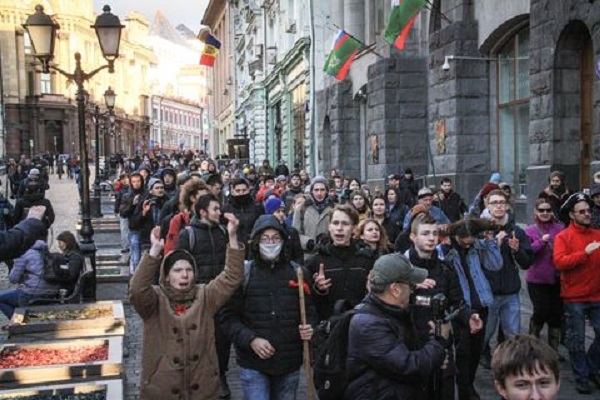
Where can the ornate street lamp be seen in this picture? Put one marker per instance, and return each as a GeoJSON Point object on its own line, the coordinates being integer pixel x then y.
{"type": "Point", "coordinates": [109, 101]}
{"type": "Point", "coordinates": [42, 33]}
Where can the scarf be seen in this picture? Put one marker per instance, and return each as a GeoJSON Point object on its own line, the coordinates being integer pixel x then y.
{"type": "Point", "coordinates": [180, 300]}
{"type": "Point", "coordinates": [320, 206]}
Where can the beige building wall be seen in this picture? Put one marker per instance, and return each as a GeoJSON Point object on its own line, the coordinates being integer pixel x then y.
{"type": "Point", "coordinates": [21, 79]}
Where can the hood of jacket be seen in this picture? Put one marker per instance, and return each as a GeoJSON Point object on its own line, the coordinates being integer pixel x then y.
{"type": "Point", "coordinates": [263, 223]}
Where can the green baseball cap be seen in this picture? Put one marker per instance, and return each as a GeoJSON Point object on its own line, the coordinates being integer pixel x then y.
{"type": "Point", "coordinates": [395, 267]}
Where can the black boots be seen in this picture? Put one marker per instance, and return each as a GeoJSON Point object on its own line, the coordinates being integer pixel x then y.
{"type": "Point", "coordinates": [224, 393]}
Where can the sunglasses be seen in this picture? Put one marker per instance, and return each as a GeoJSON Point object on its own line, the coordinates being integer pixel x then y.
{"type": "Point", "coordinates": [583, 212]}
{"type": "Point", "coordinates": [544, 210]}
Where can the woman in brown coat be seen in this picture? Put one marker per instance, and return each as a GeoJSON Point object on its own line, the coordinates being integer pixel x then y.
{"type": "Point", "coordinates": [179, 358]}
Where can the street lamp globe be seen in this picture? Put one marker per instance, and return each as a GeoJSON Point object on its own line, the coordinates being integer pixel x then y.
{"type": "Point", "coordinates": [108, 29]}
{"type": "Point", "coordinates": [42, 34]}
{"type": "Point", "coordinates": [109, 98]}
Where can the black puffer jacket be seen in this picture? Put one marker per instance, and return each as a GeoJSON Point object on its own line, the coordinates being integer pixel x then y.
{"type": "Point", "coordinates": [210, 245]}
{"type": "Point", "coordinates": [348, 268]}
{"type": "Point", "coordinates": [384, 360]}
{"type": "Point", "coordinates": [267, 306]}
{"type": "Point", "coordinates": [247, 212]}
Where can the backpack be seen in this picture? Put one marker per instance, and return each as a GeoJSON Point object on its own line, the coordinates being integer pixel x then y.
{"type": "Point", "coordinates": [55, 270]}
{"type": "Point", "coordinates": [331, 349]}
{"type": "Point", "coordinates": [192, 236]}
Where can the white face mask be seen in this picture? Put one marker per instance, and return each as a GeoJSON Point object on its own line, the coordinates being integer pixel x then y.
{"type": "Point", "coordinates": [270, 251]}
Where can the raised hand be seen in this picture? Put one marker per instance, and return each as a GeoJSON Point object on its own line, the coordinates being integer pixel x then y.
{"type": "Point", "coordinates": [232, 228]}
{"type": "Point", "coordinates": [158, 244]}
{"type": "Point", "coordinates": [513, 243]}
{"type": "Point", "coordinates": [321, 282]}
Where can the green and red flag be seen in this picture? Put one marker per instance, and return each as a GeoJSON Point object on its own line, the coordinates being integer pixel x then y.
{"type": "Point", "coordinates": [345, 48]}
{"type": "Point", "coordinates": [402, 19]}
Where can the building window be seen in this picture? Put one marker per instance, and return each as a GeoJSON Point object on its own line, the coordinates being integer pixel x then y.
{"type": "Point", "coordinates": [513, 109]}
{"type": "Point", "coordinates": [155, 113]}
{"type": "Point", "coordinates": [45, 83]}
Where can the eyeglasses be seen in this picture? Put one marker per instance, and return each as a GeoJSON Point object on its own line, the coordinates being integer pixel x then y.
{"type": "Point", "coordinates": [497, 203]}
{"type": "Point", "coordinates": [544, 210]}
{"type": "Point", "coordinates": [270, 239]}
{"type": "Point", "coordinates": [582, 212]}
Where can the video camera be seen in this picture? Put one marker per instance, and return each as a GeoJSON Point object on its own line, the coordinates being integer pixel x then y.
{"type": "Point", "coordinates": [440, 307]}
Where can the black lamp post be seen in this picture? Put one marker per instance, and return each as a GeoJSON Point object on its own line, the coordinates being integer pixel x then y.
{"type": "Point", "coordinates": [109, 100]}
{"type": "Point", "coordinates": [42, 32]}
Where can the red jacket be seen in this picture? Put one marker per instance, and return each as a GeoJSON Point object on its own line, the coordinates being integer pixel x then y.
{"type": "Point", "coordinates": [579, 273]}
{"type": "Point", "coordinates": [179, 222]}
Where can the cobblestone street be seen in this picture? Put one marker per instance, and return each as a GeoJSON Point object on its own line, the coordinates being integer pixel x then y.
{"type": "Point", "coordinates": [64, 197]}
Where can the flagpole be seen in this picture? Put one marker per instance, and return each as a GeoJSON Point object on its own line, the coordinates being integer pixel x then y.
{"type": "Point", "coordinates": [368, 47]}
{"type": "Point", "coordinates": [438, 10]}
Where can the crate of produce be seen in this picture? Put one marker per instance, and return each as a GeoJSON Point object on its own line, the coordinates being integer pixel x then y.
{"type": "Point", "coordinates": [59, 361]}
{"type": "Point", "coordinates": [61, 321]}
{"type": "Point", "coordinates": [97, 390]}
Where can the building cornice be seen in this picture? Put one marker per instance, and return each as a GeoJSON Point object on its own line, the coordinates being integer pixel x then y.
{"type": "Point", "coordinates": [213, 12]}
{"type": "Point", "coordinates": [288, 60]}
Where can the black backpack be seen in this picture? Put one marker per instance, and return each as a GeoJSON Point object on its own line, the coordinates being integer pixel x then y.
{"type": "Point", "coordinates": [56, 269]}
{"type": "Point", "coordinates": [331, 348]}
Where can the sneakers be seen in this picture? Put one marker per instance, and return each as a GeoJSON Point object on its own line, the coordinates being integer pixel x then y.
{"type": "Point", "coordinates": [583, 387]}
{"type": "Point", "coordinates": [224, 393]}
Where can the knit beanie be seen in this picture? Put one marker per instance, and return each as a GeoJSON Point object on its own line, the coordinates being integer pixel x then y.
{"type": "Point", "coordinates": [273, 205]}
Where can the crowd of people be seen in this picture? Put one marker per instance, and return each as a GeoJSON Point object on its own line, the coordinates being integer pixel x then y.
{"type": "Point", "coordinates": [214, 250]}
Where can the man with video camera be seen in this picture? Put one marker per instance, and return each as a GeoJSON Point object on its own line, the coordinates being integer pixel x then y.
{"type": "Point", "coordinates": [385, 360]}
{"type": "Point", "coordinates": [440, 294]}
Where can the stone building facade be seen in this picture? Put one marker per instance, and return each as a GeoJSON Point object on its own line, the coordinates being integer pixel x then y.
{"type": "Point", "coordinates": [40, 109]}
{"type": "Point", "coordinates": [218, 17]}
{"type": "Point", "coordinates": [480, 88]}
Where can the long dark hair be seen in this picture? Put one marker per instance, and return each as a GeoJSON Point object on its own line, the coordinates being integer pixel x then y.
{"type": "Point", "coordinates": [69, 240]}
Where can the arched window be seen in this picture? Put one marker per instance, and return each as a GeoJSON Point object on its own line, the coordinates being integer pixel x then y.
{"type": "Point", "coordinates": [513, 108]}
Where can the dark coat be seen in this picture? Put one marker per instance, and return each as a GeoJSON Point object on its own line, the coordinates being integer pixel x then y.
{"type": "Point", "coordinates": [29, 200]}
{"type": "Point", "coordinates": [145, 223]}
{"type": "Point", "coordinates": [210, 245]}
{"type": "Point", "coordinates": [348, 268]}
{"type": "Point", "coordinates": [507, 280]}
{"type": "Point", "coordinates": [16, 241]}
{"type": "Point", "coordinates": [452, 205]}
{"type": "Point", "coordinates": [247, 214]}
{"type": "Point", "coordinates": [76, 262]}
{"type": "Point", "coordinates": [268, 307]}
{"type": "Point", "coordinates": [384, 359]}
{"type": "Point", "coordinates": [294, 246]}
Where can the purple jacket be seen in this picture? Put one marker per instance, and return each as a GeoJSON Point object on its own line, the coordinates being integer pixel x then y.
{"type": "Point", "coordinates": [28, 272]}
{"type": "Point", "coordinates": [542, 270]}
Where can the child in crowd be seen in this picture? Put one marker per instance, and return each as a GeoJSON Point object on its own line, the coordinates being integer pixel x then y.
{"type": "Point", "coordinates": [526, 368]}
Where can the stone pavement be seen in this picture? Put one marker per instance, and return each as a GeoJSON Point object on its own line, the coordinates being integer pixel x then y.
{"type": "Point", "coordinates": [64, 197]}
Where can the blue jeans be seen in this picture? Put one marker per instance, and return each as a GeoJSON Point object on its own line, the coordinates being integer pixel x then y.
{"type": "Point", "coordinates": [11, 299]}
{"type": "Point", "coordinates": [583, 364]}
{"type": "Point", "coordinates": [507, 310]}
{"type": "Point", "coordinates": [136, 250]}
{"type": "Point", "coordinates": [258, 386]}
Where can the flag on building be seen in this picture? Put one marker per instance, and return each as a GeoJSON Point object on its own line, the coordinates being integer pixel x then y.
{"type": "Point", "coordinates": [402, 19]}
{"type": "Point", "coordinates": [210, 52]}
{"type": "Point", "coordinates": [345, 48]}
